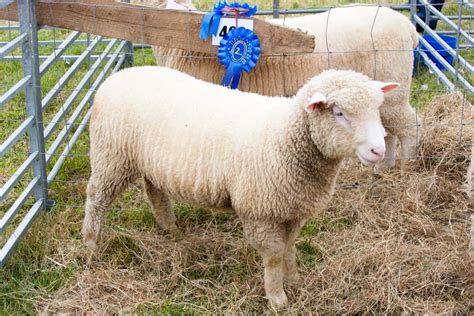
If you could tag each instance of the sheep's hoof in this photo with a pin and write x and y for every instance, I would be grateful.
(384, 166)
(293, 278)
(174, 231)
(91, 245)
(278, 300)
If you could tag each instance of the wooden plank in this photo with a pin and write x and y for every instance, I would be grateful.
(167, 28)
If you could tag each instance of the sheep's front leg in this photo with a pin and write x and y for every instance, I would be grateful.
(390, 153)
(162, 208)
(270, 241)
(408, 150)
(291, 274)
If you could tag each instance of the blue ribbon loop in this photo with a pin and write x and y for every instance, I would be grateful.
(210, 22)
(238, 51)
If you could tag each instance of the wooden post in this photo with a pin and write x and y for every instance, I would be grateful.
(160, 27)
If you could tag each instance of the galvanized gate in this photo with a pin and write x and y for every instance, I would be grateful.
(40, 157)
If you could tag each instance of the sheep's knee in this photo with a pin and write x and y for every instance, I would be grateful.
(269, 240)
(162, 208)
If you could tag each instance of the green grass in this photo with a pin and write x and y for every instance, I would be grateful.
(41, 264)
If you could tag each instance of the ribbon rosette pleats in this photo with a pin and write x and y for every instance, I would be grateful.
(210, 22)
(239, 51)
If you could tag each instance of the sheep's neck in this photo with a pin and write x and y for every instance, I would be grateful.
(304, 159)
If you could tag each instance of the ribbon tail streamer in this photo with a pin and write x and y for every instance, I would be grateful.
(235, 80)
(215, 24)
(206, 21)
(229, 74)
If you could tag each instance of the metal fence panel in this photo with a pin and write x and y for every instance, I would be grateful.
(110, 60)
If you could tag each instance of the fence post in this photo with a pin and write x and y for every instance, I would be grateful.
(30, 62)
(128, 50)
(276, 9)
(413, 7)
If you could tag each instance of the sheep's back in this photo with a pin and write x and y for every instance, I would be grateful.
(171, 126)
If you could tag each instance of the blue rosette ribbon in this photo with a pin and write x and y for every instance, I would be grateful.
(238, 51)
(210, 21)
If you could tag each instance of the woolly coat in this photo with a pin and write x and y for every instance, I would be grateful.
(214, 147)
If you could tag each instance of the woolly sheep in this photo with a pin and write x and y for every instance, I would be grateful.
(273, 160)
(376, 41)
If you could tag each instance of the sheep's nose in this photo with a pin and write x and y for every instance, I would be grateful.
(378, 151)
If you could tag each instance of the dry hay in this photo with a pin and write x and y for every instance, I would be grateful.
(390, 243)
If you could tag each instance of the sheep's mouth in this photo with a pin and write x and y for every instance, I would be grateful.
(365, 161)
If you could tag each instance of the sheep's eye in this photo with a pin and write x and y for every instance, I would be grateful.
(341, 118)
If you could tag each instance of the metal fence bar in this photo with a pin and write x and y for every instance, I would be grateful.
(85, 120)
(119, 63)
(57, 166)
(13, 91)
(15, 237)
(58, 52)
(442, 17)
(447, 48)
(19, 40)
(13, 138)
(66, 58)
(68, 74)
(435, 54)
(454, 32)
(463, 17)
(70, 100)
(55, 42)
(7, 187)
(13, 210)
(63, 133)
(65, 153)
(9, 27)
(27, 17)
(448, 67)
(442, 77)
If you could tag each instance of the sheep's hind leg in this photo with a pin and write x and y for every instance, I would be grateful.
(100, 194)
(270, 241)
(162, 208)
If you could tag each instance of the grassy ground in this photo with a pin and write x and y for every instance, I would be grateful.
(390, 244)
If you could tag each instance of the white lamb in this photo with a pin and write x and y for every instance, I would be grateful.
(376, 41)
(273, 160)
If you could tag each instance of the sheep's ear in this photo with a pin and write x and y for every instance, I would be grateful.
(317, 101)
(386, 87)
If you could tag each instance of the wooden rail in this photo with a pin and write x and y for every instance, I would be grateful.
(161, 27)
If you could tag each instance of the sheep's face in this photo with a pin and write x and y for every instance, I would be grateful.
(350, 118)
